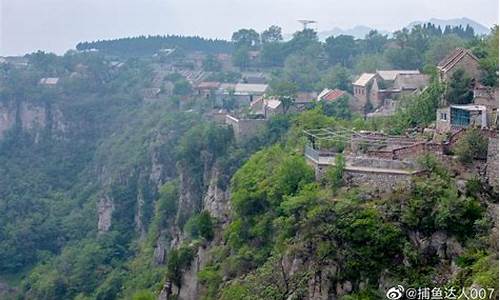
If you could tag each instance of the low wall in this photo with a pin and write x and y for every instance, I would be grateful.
(377, 181)
(370, 162)
(244, 128)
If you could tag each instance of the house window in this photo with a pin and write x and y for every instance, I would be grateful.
(444, 116)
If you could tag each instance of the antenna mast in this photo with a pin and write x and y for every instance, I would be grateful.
(305, 23)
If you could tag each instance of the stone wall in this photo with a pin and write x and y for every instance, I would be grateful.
(380, 178)
(370, 162)
(492, 162)
(244, 128)
(377, 180)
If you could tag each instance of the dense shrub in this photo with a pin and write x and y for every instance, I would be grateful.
(473, 145)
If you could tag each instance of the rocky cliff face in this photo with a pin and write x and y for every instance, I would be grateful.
(215, 201)
(30, 117)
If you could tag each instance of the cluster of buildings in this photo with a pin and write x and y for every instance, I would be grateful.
(381, 91)
(383, 161)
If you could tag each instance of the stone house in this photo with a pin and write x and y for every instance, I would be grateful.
(206, 89)
(375, 88)
(244, 128)
(253, 78)
(266, 107)
(488, 97)
(329, 95)
(460, 58)
(245, 93)
(455, 117)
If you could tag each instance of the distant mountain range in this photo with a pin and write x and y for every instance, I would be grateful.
(359, 31)
(478, 28)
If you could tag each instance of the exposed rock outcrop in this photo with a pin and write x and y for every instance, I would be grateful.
(105, 209)
(30, 117)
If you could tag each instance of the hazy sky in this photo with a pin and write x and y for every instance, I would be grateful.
(57, 25)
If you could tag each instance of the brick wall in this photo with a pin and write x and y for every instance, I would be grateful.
(470, 65)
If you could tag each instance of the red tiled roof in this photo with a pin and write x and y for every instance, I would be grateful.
(333, 95)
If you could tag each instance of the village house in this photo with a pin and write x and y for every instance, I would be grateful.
(244, 128)
(455, 117)
(304, 100)
(253, 78)
(488, 97)
(206, 89)
(245, 93)
(266, 107)
(460, 58)
(49, 81)
(373, 89)
(329, 95)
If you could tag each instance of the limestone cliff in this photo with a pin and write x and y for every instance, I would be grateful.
(30, 117)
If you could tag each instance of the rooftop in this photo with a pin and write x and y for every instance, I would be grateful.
(330, 95)
(49, 80)
(209, 85)
(453, 58)
(411, 81)
(364, 79)
(390, 75)
(248, 88)
(469, 107)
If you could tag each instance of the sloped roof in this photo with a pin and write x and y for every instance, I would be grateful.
(306, 97)
(390, 75)
(249, 88)
(364, 79)
(453, 58)
(331, 95)
(411, 81)
(272, 103)
(227, 86)
(208, 85)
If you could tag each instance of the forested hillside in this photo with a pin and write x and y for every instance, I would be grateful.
(149, 45)
(107, 192)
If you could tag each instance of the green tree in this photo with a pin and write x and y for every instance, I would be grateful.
(182, 88)
(272, 34)
(211, 64)
(459, 88)
(201, 225)
(338, 108)
(375, 42)
(248, 38)
(241, 58)
(471, 146)
(404, 58)
(286, 92)
(337, 77)
(341, 50)
(143, 295)
(302, 71)
(335, 174)
(440, 47)
(489, 63)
